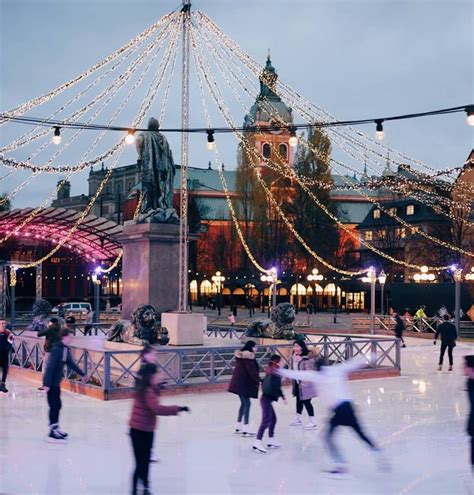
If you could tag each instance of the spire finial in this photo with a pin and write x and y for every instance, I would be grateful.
(269, 56)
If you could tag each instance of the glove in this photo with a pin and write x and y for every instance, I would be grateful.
(434, 342)
(184, 409)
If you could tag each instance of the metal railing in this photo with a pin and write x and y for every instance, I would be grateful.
(114, 370)
(412, 324)
(78, 328)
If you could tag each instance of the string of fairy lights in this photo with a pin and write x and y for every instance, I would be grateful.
(239, 70)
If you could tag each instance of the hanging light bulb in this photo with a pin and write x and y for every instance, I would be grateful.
(379, 134)
(211, 144)
(470, 115)
(130, 139)
(57, 136)
(293, 141)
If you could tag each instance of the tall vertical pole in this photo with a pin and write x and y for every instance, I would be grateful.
(457, 298)
(183, 225)
(372, 304)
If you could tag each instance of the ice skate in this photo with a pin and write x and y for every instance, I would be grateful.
(238, 428)
(337, 472)
(440, 367)
(297, 421)
(273, 444)
(247, 433)
(258, 447)
(381, 461)
(311, 425)
(55, 437)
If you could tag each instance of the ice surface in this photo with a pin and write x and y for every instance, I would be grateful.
(419, 419)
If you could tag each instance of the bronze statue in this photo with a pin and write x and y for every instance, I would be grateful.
(156, 171)
(141, 329)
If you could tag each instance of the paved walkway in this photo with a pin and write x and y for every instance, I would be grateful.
(419, 418)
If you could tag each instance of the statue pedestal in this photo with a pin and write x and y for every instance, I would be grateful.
(185, 328)
(149, 266)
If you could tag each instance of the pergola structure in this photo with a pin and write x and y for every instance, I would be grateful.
(94, 238)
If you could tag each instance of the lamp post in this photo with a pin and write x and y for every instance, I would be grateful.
(218, 280)
(314, 276)
(371, 278)
(13, 269)
(272, 278)
(423, 275)
(97, 282)
(382, 279)
(457, 275)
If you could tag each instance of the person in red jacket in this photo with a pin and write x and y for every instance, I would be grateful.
(146, 407)
(245, 382)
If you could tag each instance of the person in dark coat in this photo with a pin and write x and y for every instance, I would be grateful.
(399, 326)
(146, 407)
(469, 372)
(51, 334)
(60, 356)
(6, 343)
(448, 341)
(245, 383)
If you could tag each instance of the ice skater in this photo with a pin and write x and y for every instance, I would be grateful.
(51, 335)
(331, 382)
(448, 340)
(399, 326)
(146, 407)
(271, 392)
(6, 343)
(60, 356)
(245, 382)
(303, 359)
(469, 372)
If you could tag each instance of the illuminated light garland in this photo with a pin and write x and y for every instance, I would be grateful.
(25, 107)
(202, 73)
(223, 39)
(221, 106)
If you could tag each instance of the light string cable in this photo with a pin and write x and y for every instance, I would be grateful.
(154, 86)
(271, 109)
(255, 68)
(225, 188)
(120, 80)
(157, 45)
(29, 136)
(25, 107)
(250, 149)
(213, 88)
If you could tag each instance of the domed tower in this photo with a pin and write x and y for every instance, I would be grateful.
(269, 112)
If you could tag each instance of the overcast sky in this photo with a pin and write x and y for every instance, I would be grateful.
(354, 58)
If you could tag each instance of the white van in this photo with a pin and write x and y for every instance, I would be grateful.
(75, 307)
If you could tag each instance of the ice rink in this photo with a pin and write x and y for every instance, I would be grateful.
(418, 418)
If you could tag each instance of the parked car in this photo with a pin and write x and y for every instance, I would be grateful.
(116, 309)
(74, 307)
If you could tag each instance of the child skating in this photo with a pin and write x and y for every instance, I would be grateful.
(333, 391)
(271, 388)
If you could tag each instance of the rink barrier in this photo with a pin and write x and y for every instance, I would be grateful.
(112, 372)
(386, 323)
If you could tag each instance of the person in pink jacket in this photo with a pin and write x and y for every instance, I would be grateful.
(146, 407)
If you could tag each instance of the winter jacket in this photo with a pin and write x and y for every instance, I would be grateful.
(245, 378)
(60, 356)
(6, 341)
(399, 325)
(305, 390)
(52, 336)
(470, 419)
(146, 407)
(271, 385)
(448, 333)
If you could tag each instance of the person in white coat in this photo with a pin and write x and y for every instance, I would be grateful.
(332, 386)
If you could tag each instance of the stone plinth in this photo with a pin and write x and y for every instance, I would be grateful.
(185, 328)
(150, 266)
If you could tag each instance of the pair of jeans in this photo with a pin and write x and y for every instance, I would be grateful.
(269, 418)
(444, 346)
(4, 357)
(54, 402)
(142, 442)
(244, 410)
(344, 415)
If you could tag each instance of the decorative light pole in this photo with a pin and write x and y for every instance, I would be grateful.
(470, 276)
(457, 275)
(382, 279)
(272, 278)
(13, 269)
(218, 280)
(97, 282)
(424, 276)
(371, 278)
(315, 277)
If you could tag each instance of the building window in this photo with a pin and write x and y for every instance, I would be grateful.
(368, 235)
(107, 190)
(393, 210)
(382, 234)
(129, 185)
(401, 232)
(118, 187)
(376, 213)
(266, 150)
(410, 209)
(413, 230)
(283, 151)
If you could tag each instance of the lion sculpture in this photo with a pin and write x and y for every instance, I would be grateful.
(141, 329)
(280, 326)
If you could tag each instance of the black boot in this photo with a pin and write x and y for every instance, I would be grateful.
(3, 388)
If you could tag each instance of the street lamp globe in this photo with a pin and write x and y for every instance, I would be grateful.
(382, 277)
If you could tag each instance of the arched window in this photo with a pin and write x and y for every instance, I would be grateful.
(206, 287)
(266, 150)
(283, 151)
